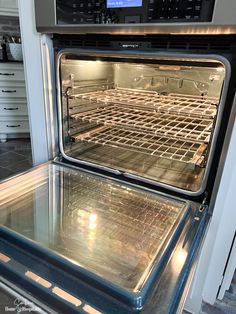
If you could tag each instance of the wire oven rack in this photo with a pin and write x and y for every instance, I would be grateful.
(169, 125)
(200, 106)
(155, 145)
(172, 126)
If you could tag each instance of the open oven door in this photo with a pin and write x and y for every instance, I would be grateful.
(79, 242)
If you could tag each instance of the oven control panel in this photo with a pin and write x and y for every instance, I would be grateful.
(133, 11)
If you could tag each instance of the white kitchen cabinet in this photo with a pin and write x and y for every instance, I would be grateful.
(9, 7)
(13, 104)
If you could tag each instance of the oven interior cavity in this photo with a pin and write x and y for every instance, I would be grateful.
(148, 118)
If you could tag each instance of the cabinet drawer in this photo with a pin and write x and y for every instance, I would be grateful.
(16, 126)
(9, 7)
(11, 73)
(14, 109)
(12, 92)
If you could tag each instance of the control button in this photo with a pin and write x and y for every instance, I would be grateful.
(188, 17)
(81, 20)
(74, 5)
(197, 7)
(89, 5)
(151, 1)
(74, 20)
(81, 5)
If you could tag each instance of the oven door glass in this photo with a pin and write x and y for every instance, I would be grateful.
(113, 230)
(153, 120)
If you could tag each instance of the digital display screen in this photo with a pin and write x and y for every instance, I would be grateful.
(123, 3)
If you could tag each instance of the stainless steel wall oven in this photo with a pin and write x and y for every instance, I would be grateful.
(115, 222)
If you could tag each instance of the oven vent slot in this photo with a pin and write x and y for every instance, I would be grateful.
(221, 46)
(192, 45)
(199, 46)
(85, 44)
(183, 43)
(90, 43)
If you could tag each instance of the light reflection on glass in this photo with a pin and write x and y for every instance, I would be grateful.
(179, 259)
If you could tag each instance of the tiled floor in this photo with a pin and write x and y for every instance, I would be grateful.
(15, 157)
(227, 305)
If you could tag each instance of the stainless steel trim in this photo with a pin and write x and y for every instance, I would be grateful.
(143, 29)
(231, 123)
(48, 68)
(223, 22)
(162, 55)
(45, 12)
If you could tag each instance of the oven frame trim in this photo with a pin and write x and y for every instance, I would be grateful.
(158, 56)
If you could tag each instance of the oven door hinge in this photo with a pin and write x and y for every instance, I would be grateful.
(58, 158)
(204, 205)
(195, 221)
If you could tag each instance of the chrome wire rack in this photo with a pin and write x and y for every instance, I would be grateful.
(200, 106)
(156, 123)
(154, 145)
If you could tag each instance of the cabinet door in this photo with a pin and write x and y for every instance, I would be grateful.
(14, 126)
(13, 109)
(12, 92)
(11, 73)
(9, 7)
